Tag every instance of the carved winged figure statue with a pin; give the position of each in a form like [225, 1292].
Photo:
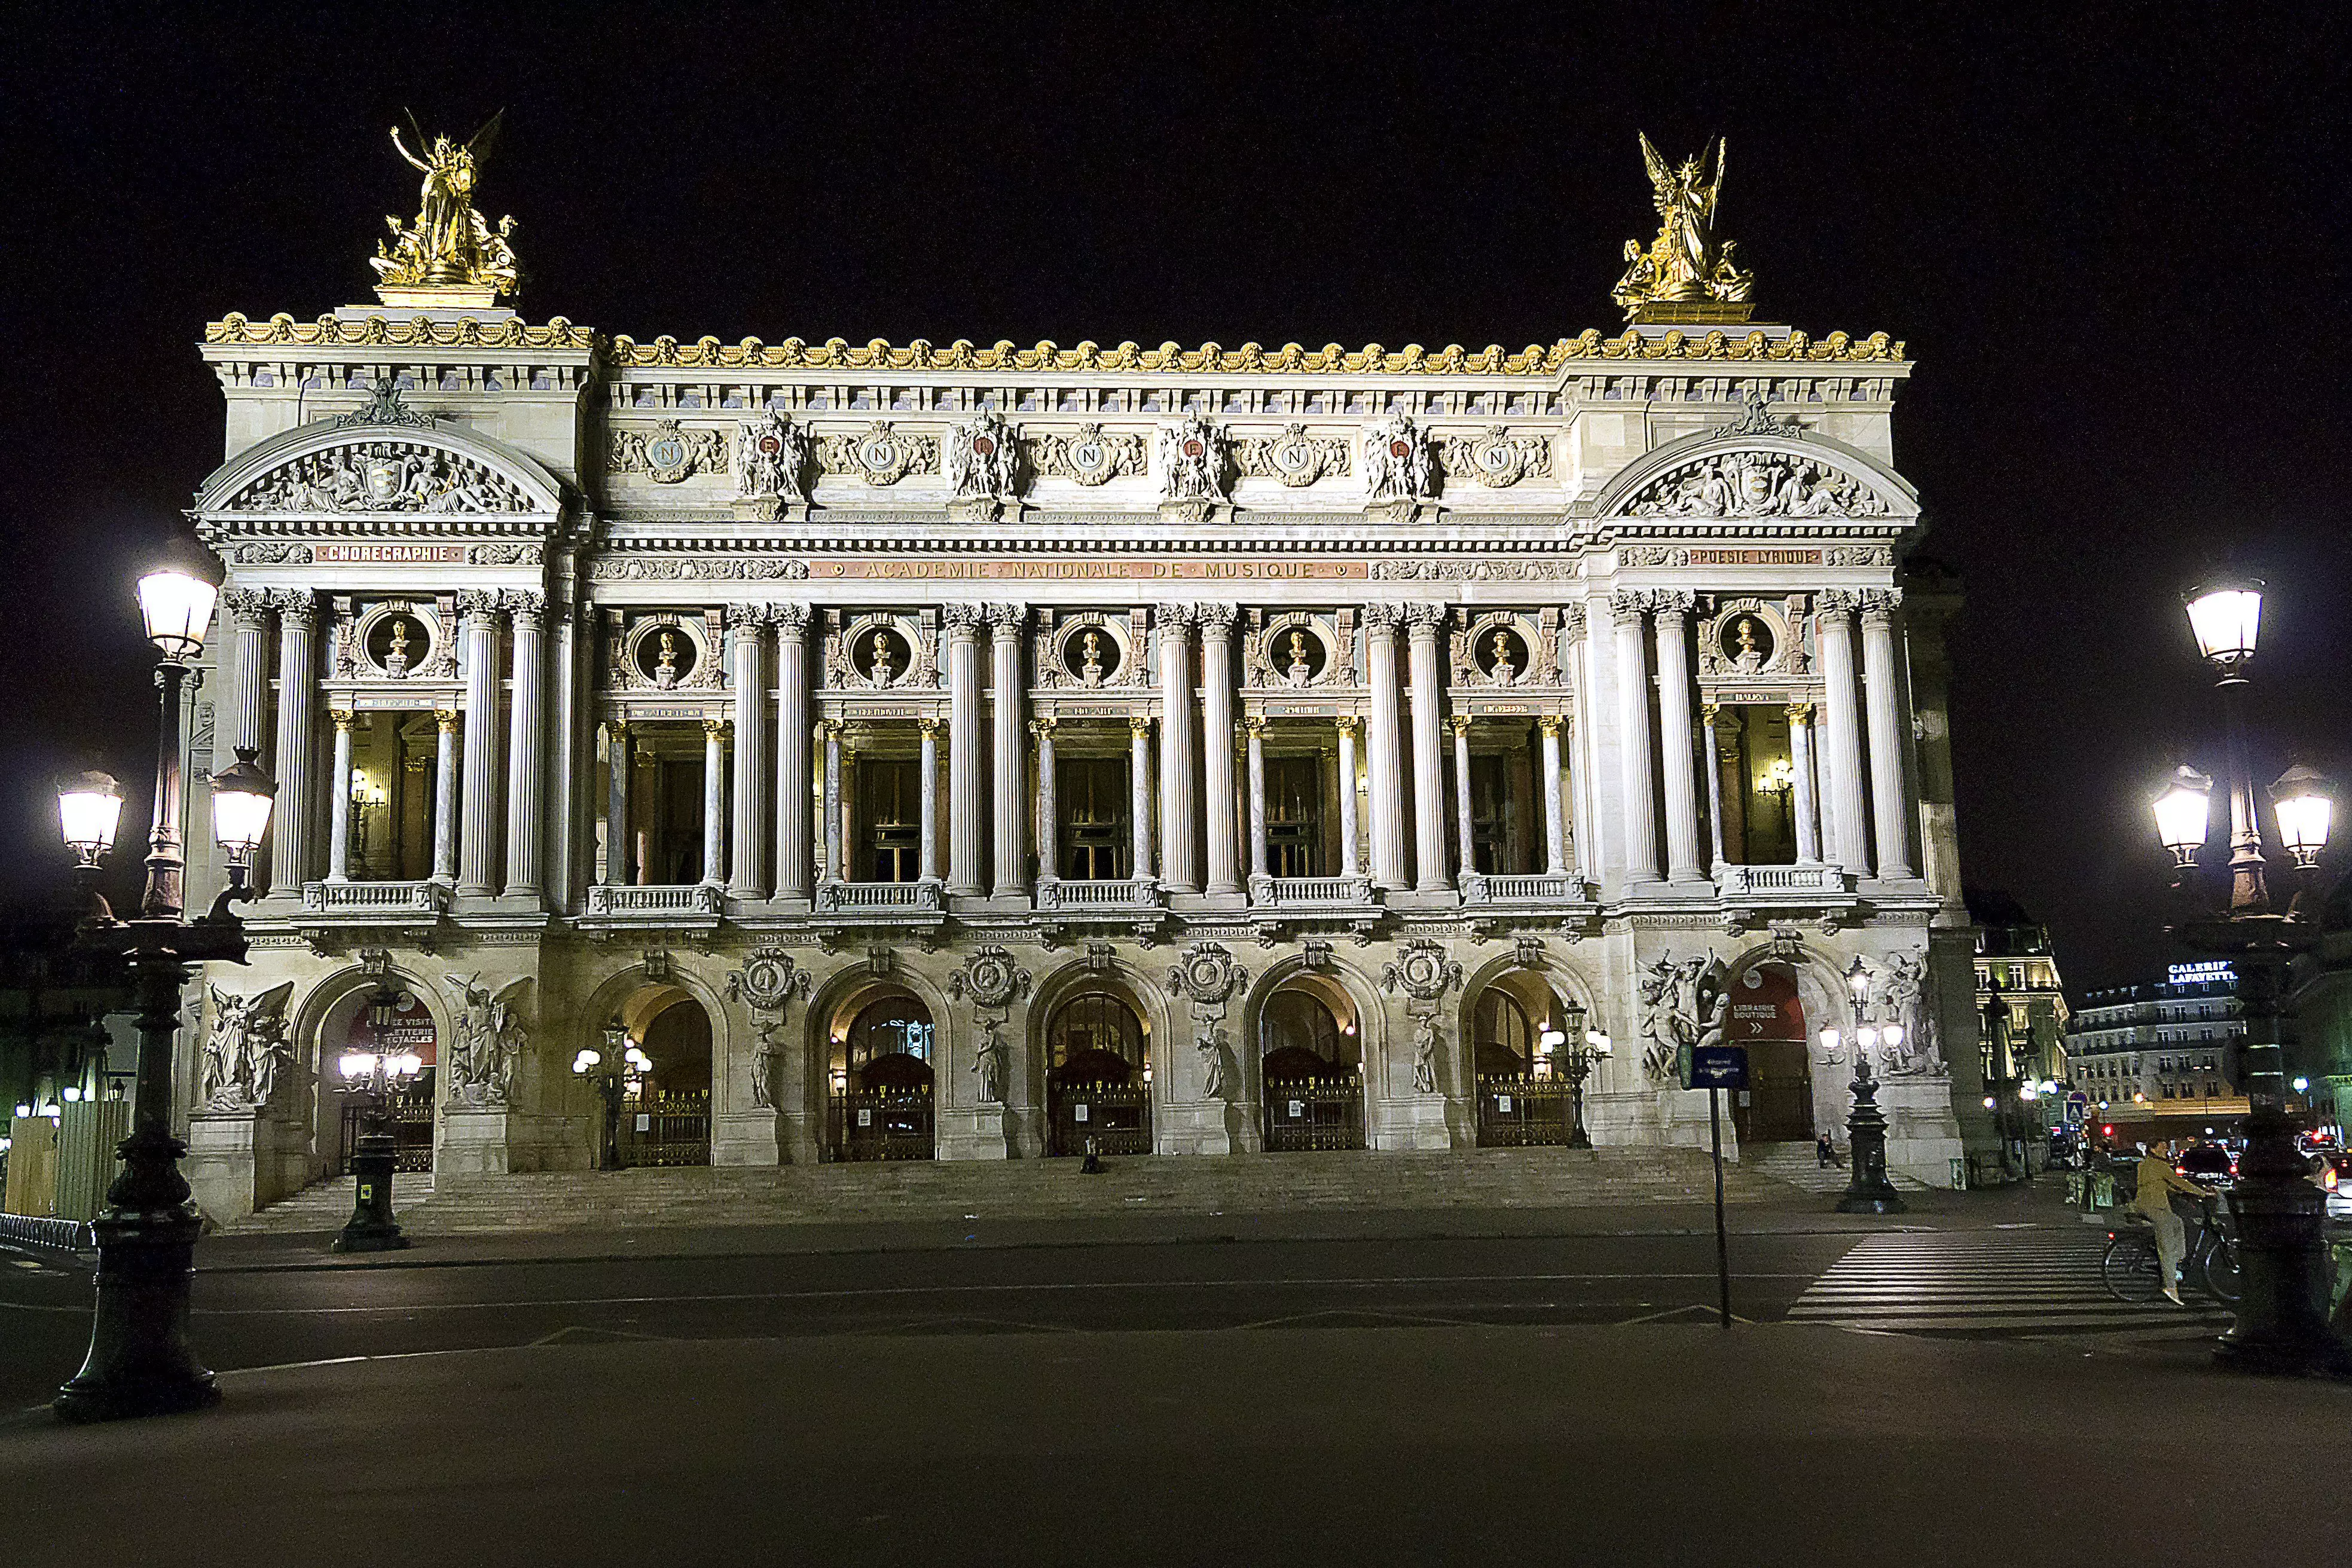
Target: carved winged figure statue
[1685, 262]
[246, 1048]
[449, 244]
[488, 1038]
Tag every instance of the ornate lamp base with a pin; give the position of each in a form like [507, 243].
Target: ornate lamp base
[140, 1361]
[372, 1227]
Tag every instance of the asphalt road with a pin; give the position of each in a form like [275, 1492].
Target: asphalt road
[274, 1317]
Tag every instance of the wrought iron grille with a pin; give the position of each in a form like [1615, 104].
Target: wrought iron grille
[1118, 1117]
[665, 1129]
[412, 1130]
[1314, 1112]
[879, 1124]
[1518, 1113]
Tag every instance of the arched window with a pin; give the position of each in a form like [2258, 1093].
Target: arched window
[1505, 1041]
[1300, 1038]
[892, 1037]
[1095, 1038]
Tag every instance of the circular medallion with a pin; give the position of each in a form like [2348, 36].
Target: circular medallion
[772, 444]
[1400, 448]
[1294, 458]
[984, 445]
[1089, 457]
[1193, 446]
[880, 454]
[666, 451]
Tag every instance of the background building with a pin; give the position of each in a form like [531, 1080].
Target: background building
[2161, 1061]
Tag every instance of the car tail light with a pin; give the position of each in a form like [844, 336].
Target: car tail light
[2334, 1176]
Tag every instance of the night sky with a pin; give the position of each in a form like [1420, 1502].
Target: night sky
[2114, 241]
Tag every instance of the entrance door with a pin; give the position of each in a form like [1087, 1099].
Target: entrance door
[1777, 1107]
[1097, 1085]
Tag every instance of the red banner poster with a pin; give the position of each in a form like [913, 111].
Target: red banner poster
[1764, 1006]
[411, 1030]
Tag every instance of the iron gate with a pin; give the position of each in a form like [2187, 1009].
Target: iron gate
[665, 1129]
[411, 1125]
[1117, 1116]
[879, 1124]
[1315, 1113]
[1518, 1113]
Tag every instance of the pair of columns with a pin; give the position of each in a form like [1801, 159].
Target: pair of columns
[963, 624]
[1841, 763]
[1421, 622]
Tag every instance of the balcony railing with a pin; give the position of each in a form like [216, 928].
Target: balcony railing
[1310, 891]
[1544, 887]
[347, 898]
[1125, 893]
[877, 897]
[1750, 881]
[702, 899]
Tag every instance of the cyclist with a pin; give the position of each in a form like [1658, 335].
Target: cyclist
[2157, 1182]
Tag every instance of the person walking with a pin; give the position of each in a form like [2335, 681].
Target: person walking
[2157, 1182]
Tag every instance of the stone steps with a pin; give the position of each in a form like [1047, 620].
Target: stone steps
[1797, 1164]
[924, 1189]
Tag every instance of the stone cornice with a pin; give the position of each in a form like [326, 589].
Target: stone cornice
[419, 332]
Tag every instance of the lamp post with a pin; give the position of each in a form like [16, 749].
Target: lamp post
[2282, 1263]
[1867, 1191]
[607, 1070]
[377, 1076]
[141, 1362]
[1575, 1064]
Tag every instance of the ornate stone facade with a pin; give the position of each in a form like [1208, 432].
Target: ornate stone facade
[1031, 712]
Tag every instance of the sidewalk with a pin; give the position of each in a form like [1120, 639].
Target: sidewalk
[1609, 1446]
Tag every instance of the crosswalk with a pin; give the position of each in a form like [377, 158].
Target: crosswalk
[2014, 1282]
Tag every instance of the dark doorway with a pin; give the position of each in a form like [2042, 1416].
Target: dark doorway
[1097, 1078]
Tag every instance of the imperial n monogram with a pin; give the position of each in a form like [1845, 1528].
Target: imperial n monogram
[779, 752]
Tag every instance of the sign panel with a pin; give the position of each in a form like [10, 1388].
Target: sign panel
[1764, 1006]
[1719, 1067]
[1086, 570]
[410, 1028]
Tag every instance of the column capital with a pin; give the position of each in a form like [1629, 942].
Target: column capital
[1628, 604]
[1423, 617]
[1140, 723]
[1548, 723]
[1571, 622]
[741, 619]
[1801, 712]
[1459, 723]
[295, 606]
[1044, 727]
[930, 727]
[1672, 604]
[1172, 619]
[790, 619]
[345, 718]
[1216, 618]
[447, 719]
[479, 604]
[617, 728]
[1837, 602]
[962, 619]
[716, 728]
[1254, 724]
[524, 604]
[1879, 605]
[249, 605]
[1383, 618]
[1007, 619]
[1347, 724]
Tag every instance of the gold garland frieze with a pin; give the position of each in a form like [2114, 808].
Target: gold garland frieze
[421, 332]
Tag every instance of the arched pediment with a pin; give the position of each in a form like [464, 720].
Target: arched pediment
[1738, 473]
[332, 468]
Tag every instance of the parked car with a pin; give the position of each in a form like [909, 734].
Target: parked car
[2335, 1176]
[2207, 1163]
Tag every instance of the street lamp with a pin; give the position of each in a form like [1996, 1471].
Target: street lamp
[606, 1069]
[1575, 1064]
[141, 1362]
[378, 1076]
[1867, 1191]
[2283, 1301]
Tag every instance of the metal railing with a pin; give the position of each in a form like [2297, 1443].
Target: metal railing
[1117, 1116]
[671, 1129]
[879, 1124]
[411, 1127]
[1315, 1113]
[40, 1230]
[1519, 1112]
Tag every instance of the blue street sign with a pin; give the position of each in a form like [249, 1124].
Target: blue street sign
[1719, 1067]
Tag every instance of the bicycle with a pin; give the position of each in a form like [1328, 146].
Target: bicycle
[2133, 1274]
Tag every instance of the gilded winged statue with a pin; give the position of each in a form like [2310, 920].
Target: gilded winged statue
[449, 245]
[1686, 264]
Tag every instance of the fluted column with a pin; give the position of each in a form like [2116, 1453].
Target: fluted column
[1422, 621]
[1138, 792]
[1670, 609]
[745, 631]
[1349, 850]
[1255, 729]
[339, 803]
[1579, 752]
[714, 801]
[794, 873]
[1888, 796]
[1555, 827]
[963, 624]
[835, 848]
[298, 712]
[445, 796]
[1006, 622]
[478, 839]
[1635, 751]
[617, 751]
[1217, 736]
[239, 721]
[1049, 849]
[1465, 833]
[525, 773]
[1800, 768]
[1709, 716]
[928, 853]
[1383, 745]
[1177, 860]
[1841, 735]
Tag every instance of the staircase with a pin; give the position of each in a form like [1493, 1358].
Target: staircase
[1797, 1164]
[933, 1190]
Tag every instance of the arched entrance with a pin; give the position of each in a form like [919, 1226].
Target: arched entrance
[879, 1078]
[1768, 1016]
[659, 1109]
[382, 1019]
[1311, 1061]
[1098, 1075]
[1530, 1056]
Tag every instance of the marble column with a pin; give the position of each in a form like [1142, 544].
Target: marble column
[1177, 860]
[1139, 792]
[714, 801]
[1465, 832]
[746, 626]
[1708, 717]
[617, 751]
[478, 839]
[1423, 621]
[525, 773]
[298, 712]
[835, 846]
[1581, 755]
[1217, 623]
[927, 840]
[339, 801]
[1841, 735]
[794, 873]
[1670, 610]
[1254, 727]
[445, 796]
[1350, 851]
[1801, 768]
[1555, 825]
[239, 722]
[1635, 750]
[1888, 798]
[1049, 843]
[1011, 841]
[963, 624]
[1383, 741]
